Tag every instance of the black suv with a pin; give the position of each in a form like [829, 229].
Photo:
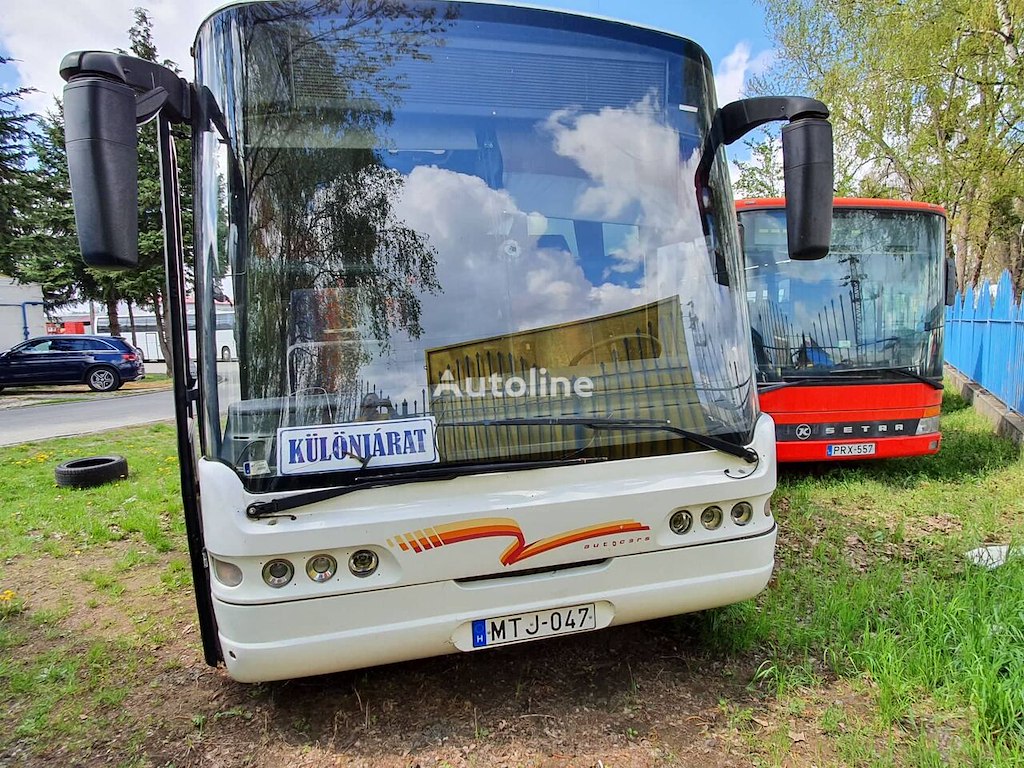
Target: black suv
[102, 362]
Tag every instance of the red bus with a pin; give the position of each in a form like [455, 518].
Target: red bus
[848, 350]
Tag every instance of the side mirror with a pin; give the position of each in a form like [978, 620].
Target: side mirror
[103, 162]
[106, 96]
[807, 169]
[950, 282]
[807, 163]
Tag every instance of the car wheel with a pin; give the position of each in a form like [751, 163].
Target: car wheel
[225, 353]
[90, 471]
[103, 379]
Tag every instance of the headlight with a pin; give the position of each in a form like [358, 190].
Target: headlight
[321, 568]
[277, 573]
[711, 517]
[680, 522]
[363, 562]
[928, 425]
[742, 513]
[228, 574]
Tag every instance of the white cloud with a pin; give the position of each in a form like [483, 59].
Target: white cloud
[39, 33]
[736, 69]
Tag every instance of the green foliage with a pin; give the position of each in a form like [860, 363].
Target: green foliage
[762, 175]
[927, 103]
[871, 584]
[15, 181]
[144, 507]
[46, 247]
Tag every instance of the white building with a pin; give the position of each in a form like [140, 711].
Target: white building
[21, 311]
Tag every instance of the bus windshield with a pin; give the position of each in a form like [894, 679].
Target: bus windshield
[449, 231]
[874, 306]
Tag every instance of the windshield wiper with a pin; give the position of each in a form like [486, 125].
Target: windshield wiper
[279, 507]
[605, 422]
[901, 371]
[840, 376]
[796, 383]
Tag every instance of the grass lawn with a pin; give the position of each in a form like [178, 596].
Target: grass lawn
[876, 644]
[871, 586]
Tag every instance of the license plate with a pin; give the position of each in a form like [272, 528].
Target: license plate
[851, 449]
[530, 626]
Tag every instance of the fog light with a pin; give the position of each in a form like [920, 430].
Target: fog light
[277, 573]
[228, 574]
[363, 563]
[680, 522]
[711, 517]
[742, 513]
[321, 568]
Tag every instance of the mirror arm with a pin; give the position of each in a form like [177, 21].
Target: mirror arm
[738, 118]
[159, 88]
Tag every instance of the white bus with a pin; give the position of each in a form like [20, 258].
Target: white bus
[494, 379]
[144, 334]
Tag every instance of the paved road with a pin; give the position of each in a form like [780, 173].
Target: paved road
[39, 422]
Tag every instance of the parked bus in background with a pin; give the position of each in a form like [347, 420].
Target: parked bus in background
[144, 334]
[493, 378]
[848, 350]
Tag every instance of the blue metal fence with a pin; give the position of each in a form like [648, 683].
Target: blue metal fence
[985, 339]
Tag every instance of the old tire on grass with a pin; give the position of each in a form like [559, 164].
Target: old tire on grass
[90, 471]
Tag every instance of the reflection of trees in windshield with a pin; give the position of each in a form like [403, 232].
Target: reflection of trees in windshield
[875, 301]
[319, 86]
[545, 203]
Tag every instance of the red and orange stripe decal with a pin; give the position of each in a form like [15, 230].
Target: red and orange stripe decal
[518, 550]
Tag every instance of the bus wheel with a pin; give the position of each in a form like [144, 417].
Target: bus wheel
[94, 470]
[103, 379]
[225, 353]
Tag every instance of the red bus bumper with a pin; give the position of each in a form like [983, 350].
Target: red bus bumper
[854, 421]
[885, 448]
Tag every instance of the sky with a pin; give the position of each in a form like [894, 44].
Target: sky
[37, 34]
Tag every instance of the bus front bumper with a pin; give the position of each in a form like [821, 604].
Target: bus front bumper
[882, 448]
[332, 634]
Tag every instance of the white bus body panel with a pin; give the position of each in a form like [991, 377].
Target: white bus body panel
[595, 533]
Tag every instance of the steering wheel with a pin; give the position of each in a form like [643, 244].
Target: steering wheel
[613, 340]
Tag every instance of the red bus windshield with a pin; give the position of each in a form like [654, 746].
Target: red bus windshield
[875, 302]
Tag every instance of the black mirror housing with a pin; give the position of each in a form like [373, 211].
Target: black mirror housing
[807, 163]
[103, 160]
[950, 281]
[808, 174]
[107, 96]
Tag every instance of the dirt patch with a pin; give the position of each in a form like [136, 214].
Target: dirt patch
[641, 695]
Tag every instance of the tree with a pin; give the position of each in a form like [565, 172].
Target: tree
[48, 246]
[15, 181]
[147, 285]
[323, 244]
[762, 175]
[927, 102]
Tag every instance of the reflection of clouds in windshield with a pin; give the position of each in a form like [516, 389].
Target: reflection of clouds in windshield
[497, 277]
[490, 287]
[630, 157]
